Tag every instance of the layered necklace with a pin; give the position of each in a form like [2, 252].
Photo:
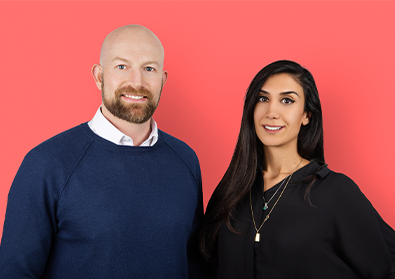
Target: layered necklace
[265, 204]
[257, 236]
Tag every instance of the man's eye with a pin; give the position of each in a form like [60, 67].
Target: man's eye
[287, 101]
[262, 99]
[149, 69]
[121, 67]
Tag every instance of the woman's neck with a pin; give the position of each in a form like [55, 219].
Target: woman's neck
[279, 163]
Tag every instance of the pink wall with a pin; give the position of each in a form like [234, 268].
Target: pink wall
[213, 50]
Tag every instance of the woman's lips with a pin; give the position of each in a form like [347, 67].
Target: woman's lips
[272, 129]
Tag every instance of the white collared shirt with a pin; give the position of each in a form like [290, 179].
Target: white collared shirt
[103, 128]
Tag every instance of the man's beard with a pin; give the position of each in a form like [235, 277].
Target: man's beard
[132, 112]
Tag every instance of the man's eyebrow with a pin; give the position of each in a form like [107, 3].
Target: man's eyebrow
[282, 93]
[119, 58]
[151, 62]
[127, 61]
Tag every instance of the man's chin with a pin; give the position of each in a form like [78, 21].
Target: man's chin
[137, 120]
[136, 116]
[132, 113]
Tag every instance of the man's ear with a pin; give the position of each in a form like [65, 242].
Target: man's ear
[164, 77]
[97, 75]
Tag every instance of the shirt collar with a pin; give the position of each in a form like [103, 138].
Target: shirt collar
[103, 128]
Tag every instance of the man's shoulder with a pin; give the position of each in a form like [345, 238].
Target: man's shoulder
[63, 145]
[176, 144]
[54, 159]
[183, 150]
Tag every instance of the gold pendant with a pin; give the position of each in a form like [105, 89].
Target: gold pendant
[257, 236]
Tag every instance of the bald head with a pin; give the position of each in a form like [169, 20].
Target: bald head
[131, 37]
[130, 75]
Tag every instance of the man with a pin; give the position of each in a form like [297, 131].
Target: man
[112, 198]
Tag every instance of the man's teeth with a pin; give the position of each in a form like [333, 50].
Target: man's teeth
[272, 128]
[134, 97]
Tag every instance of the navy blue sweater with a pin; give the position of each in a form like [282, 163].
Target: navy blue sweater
[83, 207]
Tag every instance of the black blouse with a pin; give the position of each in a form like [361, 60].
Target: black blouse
[340, 236]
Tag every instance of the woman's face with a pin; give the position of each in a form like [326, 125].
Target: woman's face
[279, 111]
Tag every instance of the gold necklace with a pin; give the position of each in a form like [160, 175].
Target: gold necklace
[257, 236]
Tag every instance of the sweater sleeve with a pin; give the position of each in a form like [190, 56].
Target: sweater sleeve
[196, 263]
[30, 222]
[361, 240]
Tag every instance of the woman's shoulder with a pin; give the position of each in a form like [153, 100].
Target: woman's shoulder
[327, 178]
[324, 175]
[339, 181]
[340, 188]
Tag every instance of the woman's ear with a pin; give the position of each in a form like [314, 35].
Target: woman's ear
[306, 118]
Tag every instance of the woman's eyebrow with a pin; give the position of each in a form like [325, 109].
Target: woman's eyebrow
[282, 93]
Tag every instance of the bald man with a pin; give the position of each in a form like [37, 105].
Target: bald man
[115, 197]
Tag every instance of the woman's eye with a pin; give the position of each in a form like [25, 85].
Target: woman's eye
[287, 101]
[121, 67]
[262, 99]
[149, 69]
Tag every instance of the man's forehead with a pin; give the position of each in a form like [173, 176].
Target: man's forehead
[147, 60]
[130, 41]
[130, 52]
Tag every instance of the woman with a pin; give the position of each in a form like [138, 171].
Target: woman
[320, 225]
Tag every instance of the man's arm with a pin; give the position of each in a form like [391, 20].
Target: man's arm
[196, 262]
[30, 221]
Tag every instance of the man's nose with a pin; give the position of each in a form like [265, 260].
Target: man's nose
[136, 79]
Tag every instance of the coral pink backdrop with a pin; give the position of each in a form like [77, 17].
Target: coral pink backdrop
[213, 50]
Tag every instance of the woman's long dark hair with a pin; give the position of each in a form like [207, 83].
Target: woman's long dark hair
[248, 155]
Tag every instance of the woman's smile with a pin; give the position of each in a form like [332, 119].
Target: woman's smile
[271, 129]
[279, 111]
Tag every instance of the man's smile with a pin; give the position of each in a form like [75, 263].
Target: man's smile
[135, 97]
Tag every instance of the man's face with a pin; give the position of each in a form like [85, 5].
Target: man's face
[132, 78]
[131, 111]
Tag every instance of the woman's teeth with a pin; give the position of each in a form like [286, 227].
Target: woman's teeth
[272, 128]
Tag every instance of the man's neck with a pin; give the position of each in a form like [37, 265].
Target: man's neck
[137, 132]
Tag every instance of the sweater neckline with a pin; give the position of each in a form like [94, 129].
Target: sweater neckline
[122, 148]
